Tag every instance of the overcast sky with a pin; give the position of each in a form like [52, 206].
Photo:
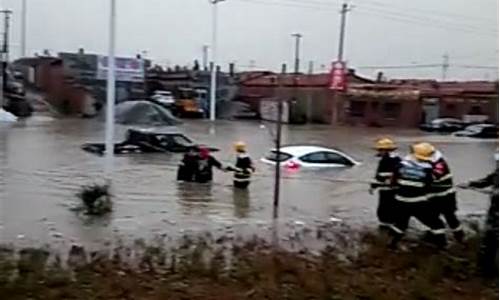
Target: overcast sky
[258, 32]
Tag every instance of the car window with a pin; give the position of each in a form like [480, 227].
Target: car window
[182, 140]
[273, 156]
[315, 158]
[334, 158]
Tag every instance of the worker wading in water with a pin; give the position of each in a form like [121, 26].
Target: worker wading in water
[413, 180]
[189, 165]
[488, 251]
[243, 168]
[443, 197]
[388, 163]
[206, 162]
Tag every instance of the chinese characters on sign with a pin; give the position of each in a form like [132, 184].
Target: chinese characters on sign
[338, 80]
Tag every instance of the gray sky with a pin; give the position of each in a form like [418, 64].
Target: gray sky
[379, 32]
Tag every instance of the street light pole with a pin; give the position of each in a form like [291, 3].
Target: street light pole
[24, 12]
[213, 77]
[110, 95]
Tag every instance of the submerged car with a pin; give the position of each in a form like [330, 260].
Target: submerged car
[164, 98]
[444, 125]
[309, 157]
[147, 141]
[479, 131]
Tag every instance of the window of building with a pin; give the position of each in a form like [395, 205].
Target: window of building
[357, 108]
[476, 110]
[391, 110]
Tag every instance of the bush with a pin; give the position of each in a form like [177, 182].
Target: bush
[96, 199]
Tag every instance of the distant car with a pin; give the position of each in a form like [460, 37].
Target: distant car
[309, 157]
[479, 131]
[444, 125]
[164, 98]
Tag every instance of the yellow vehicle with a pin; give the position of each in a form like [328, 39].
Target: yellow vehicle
[189, 102]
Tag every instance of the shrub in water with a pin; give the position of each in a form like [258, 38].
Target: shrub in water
[96, 199]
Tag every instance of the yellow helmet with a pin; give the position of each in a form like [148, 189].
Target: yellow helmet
[385, 144]
[240, 146]
[423, 151]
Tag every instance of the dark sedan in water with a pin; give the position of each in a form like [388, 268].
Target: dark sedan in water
[479, 131]
[444, 125]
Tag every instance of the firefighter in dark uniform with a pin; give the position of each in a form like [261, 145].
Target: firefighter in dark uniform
[188, 166]
[243, 168]
[388, 163]
[488, 251]
[443, 196]
[206, 163]
[413, 180]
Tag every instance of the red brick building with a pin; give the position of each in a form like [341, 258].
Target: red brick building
[402, 103]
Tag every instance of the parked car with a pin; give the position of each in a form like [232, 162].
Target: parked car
[309, 157]
[443, 125]
[479, 131]
[147, 141]
[164, 98]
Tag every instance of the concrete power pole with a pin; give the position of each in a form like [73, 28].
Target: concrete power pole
[343, 15]
[24, 13]
[445, 66]
[297, 37]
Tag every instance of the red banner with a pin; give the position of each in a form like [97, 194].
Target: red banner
[338, 76]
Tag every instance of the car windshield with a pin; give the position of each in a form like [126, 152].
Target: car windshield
[273, 156]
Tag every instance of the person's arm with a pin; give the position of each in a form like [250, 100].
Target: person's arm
[483, 182]
[215, 163]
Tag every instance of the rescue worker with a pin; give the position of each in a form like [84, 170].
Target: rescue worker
[413, 179]
[488, 250]
[206, 162]
[443, 196]
[188, 166]
[243, 168]
[388, 163]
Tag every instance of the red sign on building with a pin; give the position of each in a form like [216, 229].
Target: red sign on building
[338, 78]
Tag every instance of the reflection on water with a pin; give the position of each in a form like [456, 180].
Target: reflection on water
[42, 168]
[241, 201]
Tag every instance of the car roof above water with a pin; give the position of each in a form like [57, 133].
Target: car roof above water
[299, 150]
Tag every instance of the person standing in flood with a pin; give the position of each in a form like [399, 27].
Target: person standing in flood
[243, 168]
[189, 165]
[206, 162]
[488, 251]
[413, 180]
[387, 165]
[443, 196]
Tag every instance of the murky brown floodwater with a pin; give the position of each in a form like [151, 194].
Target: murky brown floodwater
[42, 167]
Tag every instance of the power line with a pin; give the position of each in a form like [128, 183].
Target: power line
[424, 66]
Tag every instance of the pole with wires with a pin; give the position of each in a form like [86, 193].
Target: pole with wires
[343, 16]
[110, 95]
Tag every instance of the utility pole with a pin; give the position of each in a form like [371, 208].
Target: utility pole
[24, 15]
[297, 37]
[5, 53]
[205, 57]
[445, 66]
[343, 15]
[110, 95]
[213, 77]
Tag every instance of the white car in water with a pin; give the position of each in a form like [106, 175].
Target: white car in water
[309, 157]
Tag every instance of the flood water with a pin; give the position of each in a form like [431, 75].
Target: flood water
[42, 168]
